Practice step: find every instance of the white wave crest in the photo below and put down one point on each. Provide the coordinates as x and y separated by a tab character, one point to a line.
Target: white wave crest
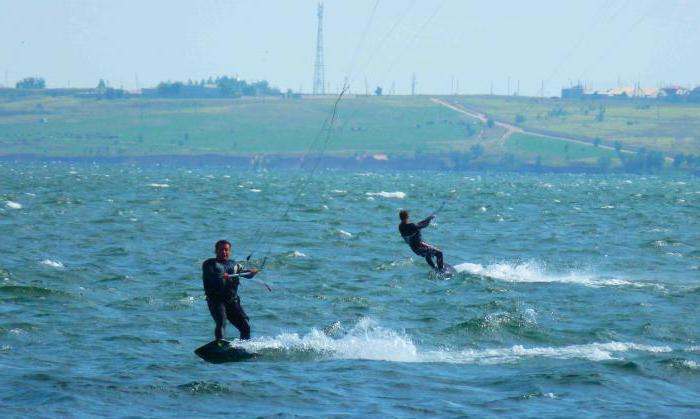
397	194
52	263
256	190
159	185
533	272
298	254
344	233
368	341
690	364
13	205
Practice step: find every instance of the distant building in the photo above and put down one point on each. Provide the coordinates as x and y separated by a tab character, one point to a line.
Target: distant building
672	92
184	91
573	92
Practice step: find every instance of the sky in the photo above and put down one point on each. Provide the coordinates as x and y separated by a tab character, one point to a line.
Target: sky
452	46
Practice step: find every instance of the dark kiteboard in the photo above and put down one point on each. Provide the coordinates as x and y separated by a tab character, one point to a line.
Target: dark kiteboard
447	271
220	351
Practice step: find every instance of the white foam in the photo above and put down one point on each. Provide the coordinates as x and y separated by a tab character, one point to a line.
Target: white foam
344	233
159	185
52	263
397	194
13	205
690	364
533	272
255	190
298	254
369	341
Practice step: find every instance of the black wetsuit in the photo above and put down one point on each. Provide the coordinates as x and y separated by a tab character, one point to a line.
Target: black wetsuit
222	296
411	234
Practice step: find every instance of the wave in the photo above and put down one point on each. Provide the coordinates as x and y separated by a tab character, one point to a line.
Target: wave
397	194
13	205
159	185
368	341
52	263
532	272
30	292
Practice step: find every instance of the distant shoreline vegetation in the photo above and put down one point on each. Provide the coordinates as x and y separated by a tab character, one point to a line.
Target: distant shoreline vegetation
225	87
211	88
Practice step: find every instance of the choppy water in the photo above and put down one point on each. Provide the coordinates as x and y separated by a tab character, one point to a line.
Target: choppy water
577	295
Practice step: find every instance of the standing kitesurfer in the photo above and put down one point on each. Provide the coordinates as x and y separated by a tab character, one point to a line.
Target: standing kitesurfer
411	234
221	278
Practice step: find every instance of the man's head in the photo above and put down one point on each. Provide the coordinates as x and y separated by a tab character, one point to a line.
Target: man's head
403	215
223	249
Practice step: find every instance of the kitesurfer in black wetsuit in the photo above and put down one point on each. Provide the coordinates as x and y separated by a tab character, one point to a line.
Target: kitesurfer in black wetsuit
411	234
221	278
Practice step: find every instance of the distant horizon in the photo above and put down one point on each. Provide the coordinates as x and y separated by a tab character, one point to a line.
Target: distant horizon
330	92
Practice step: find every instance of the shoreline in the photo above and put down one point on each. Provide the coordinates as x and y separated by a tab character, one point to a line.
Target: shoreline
431	162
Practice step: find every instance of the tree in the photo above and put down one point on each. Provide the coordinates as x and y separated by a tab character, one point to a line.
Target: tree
101	85
476	150
600	117
378	91
618	146
31	83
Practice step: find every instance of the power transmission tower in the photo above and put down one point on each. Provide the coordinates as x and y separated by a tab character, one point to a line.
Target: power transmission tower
319	71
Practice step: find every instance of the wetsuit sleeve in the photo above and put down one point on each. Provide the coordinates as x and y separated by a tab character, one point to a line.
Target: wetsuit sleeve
213	280
424	223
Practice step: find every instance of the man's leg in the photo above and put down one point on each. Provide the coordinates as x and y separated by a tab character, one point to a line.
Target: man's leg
236	315
438	256
218	313
433	251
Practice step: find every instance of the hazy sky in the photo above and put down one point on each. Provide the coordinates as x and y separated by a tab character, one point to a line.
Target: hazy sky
476	44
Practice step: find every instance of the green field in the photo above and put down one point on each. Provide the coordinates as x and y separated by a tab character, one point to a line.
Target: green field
133	127
551	152
670	128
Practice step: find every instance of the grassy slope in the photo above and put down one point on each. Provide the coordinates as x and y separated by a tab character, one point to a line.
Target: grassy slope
667	127
80	127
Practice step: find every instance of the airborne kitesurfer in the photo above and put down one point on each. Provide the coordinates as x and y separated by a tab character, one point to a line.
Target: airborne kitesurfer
411	234
221	277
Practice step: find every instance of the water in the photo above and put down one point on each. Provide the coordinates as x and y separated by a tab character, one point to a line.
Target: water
577	295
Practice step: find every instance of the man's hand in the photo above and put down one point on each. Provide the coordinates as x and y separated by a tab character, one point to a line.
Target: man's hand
225	276
253	272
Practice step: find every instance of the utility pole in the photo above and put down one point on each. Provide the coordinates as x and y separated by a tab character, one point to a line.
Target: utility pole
491	88
366	87
319	70
413	84
508	91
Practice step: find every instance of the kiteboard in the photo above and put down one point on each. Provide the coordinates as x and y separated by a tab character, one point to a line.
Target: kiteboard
447	271
220	351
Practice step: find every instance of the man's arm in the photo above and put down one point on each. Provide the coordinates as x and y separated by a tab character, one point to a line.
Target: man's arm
249	273
424	223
